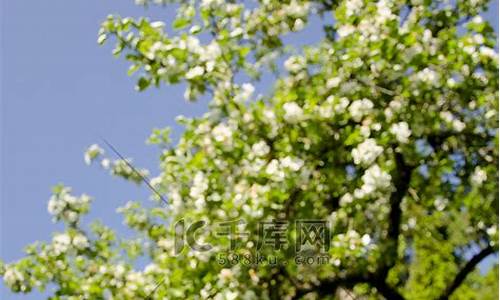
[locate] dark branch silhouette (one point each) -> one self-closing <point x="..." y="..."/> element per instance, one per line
<point x="401" y="177"/>
<point x="467" y="268"/>
<point x="330" y="286"/>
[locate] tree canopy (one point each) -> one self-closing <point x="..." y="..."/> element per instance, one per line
<point x="385" y="130"/>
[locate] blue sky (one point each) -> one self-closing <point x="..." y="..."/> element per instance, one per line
<point x="61" y="92"/>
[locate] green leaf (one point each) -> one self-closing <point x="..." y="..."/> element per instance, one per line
<point x="143" y="84"/>
<point x="132" y="69"/>
<point x="181" y="23"/>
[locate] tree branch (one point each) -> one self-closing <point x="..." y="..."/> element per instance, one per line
<point x="402" y="178"/>
<point x="467" y="268"/>
<point x="330" y="286"/>
<point x="402" y="182"/>
<point x="385" y="290"/>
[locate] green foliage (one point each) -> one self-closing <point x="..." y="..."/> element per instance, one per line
<point x="387" y="128"/>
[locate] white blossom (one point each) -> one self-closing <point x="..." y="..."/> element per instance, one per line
<point x="193" y="44"/>
<point x="225" y="274"/>
<point x="384" y="12"/>
<point x="55" y="206"/>
<point x="70" y="216"/>
<point x="292" y="163"/>
<point x="206" y="3"/>
<point x="375" y="179"/>
<point x="458" y="125"/>
<point x="342" y="105"/>
<point x="491" y="231"/>
<point x="401" y="131"/>
<point x="295" y="64"/>
<point x="360" y="108"/>
<point x="165" y="244"/>
<point x="346" y="199"/>
<point x="353" y="7"/>
<point x="487" y="52"/>
<point x="446" y="116"/>
<point x="92" y="153"/>
<point x="478" y="177"/>
<point x="293" y="112"/>
<point x="151" y="269"/>
<point x="333" y="82"/>
<point x="427" y="36"/>
<point x="155" y="181"/>
<point x="477" y="20"/>
<point x="176" y="200"/>
<point x="195" y="72"/>
<point x="478" y="39"/>
<point x="67" y="207"/>
<point x="222" y="133"/>
<point x="61" y="243"/>
<point x="298" y="25"/>
<point x="105" y="163"/>
<point x="273" y="169"/>
<point x="80" y="241"/>
<point x="194" y="29"/>
<point x="455" y="123"/>
<point x="366" y="239"/>
<point x="229" y="295"/>
<point x="119" y="271"/>
<point x="236" y="32"/>
<point x="12" y="276"/>
<point x="157" y="24"/>
<point x="366" y="152"/>
<point x="325" y="111"/>
<point x="440" y="203"/>
<point x="269" y="115"/>
<point x="428" y="76"/>
<point x="471" y="50"/>
<point x="260" y="149"/>
<point x="345" y="30"/>
<point x="296" y="8"/>
<point x="200" y="185"/>
<point x="246" y="91"/>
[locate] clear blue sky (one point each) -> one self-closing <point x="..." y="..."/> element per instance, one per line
<point x="59" y="93"/>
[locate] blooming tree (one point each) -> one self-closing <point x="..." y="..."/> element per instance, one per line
<point x="386" y="128"/>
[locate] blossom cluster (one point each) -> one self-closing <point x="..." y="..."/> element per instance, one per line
<point x="64" y="206"/>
